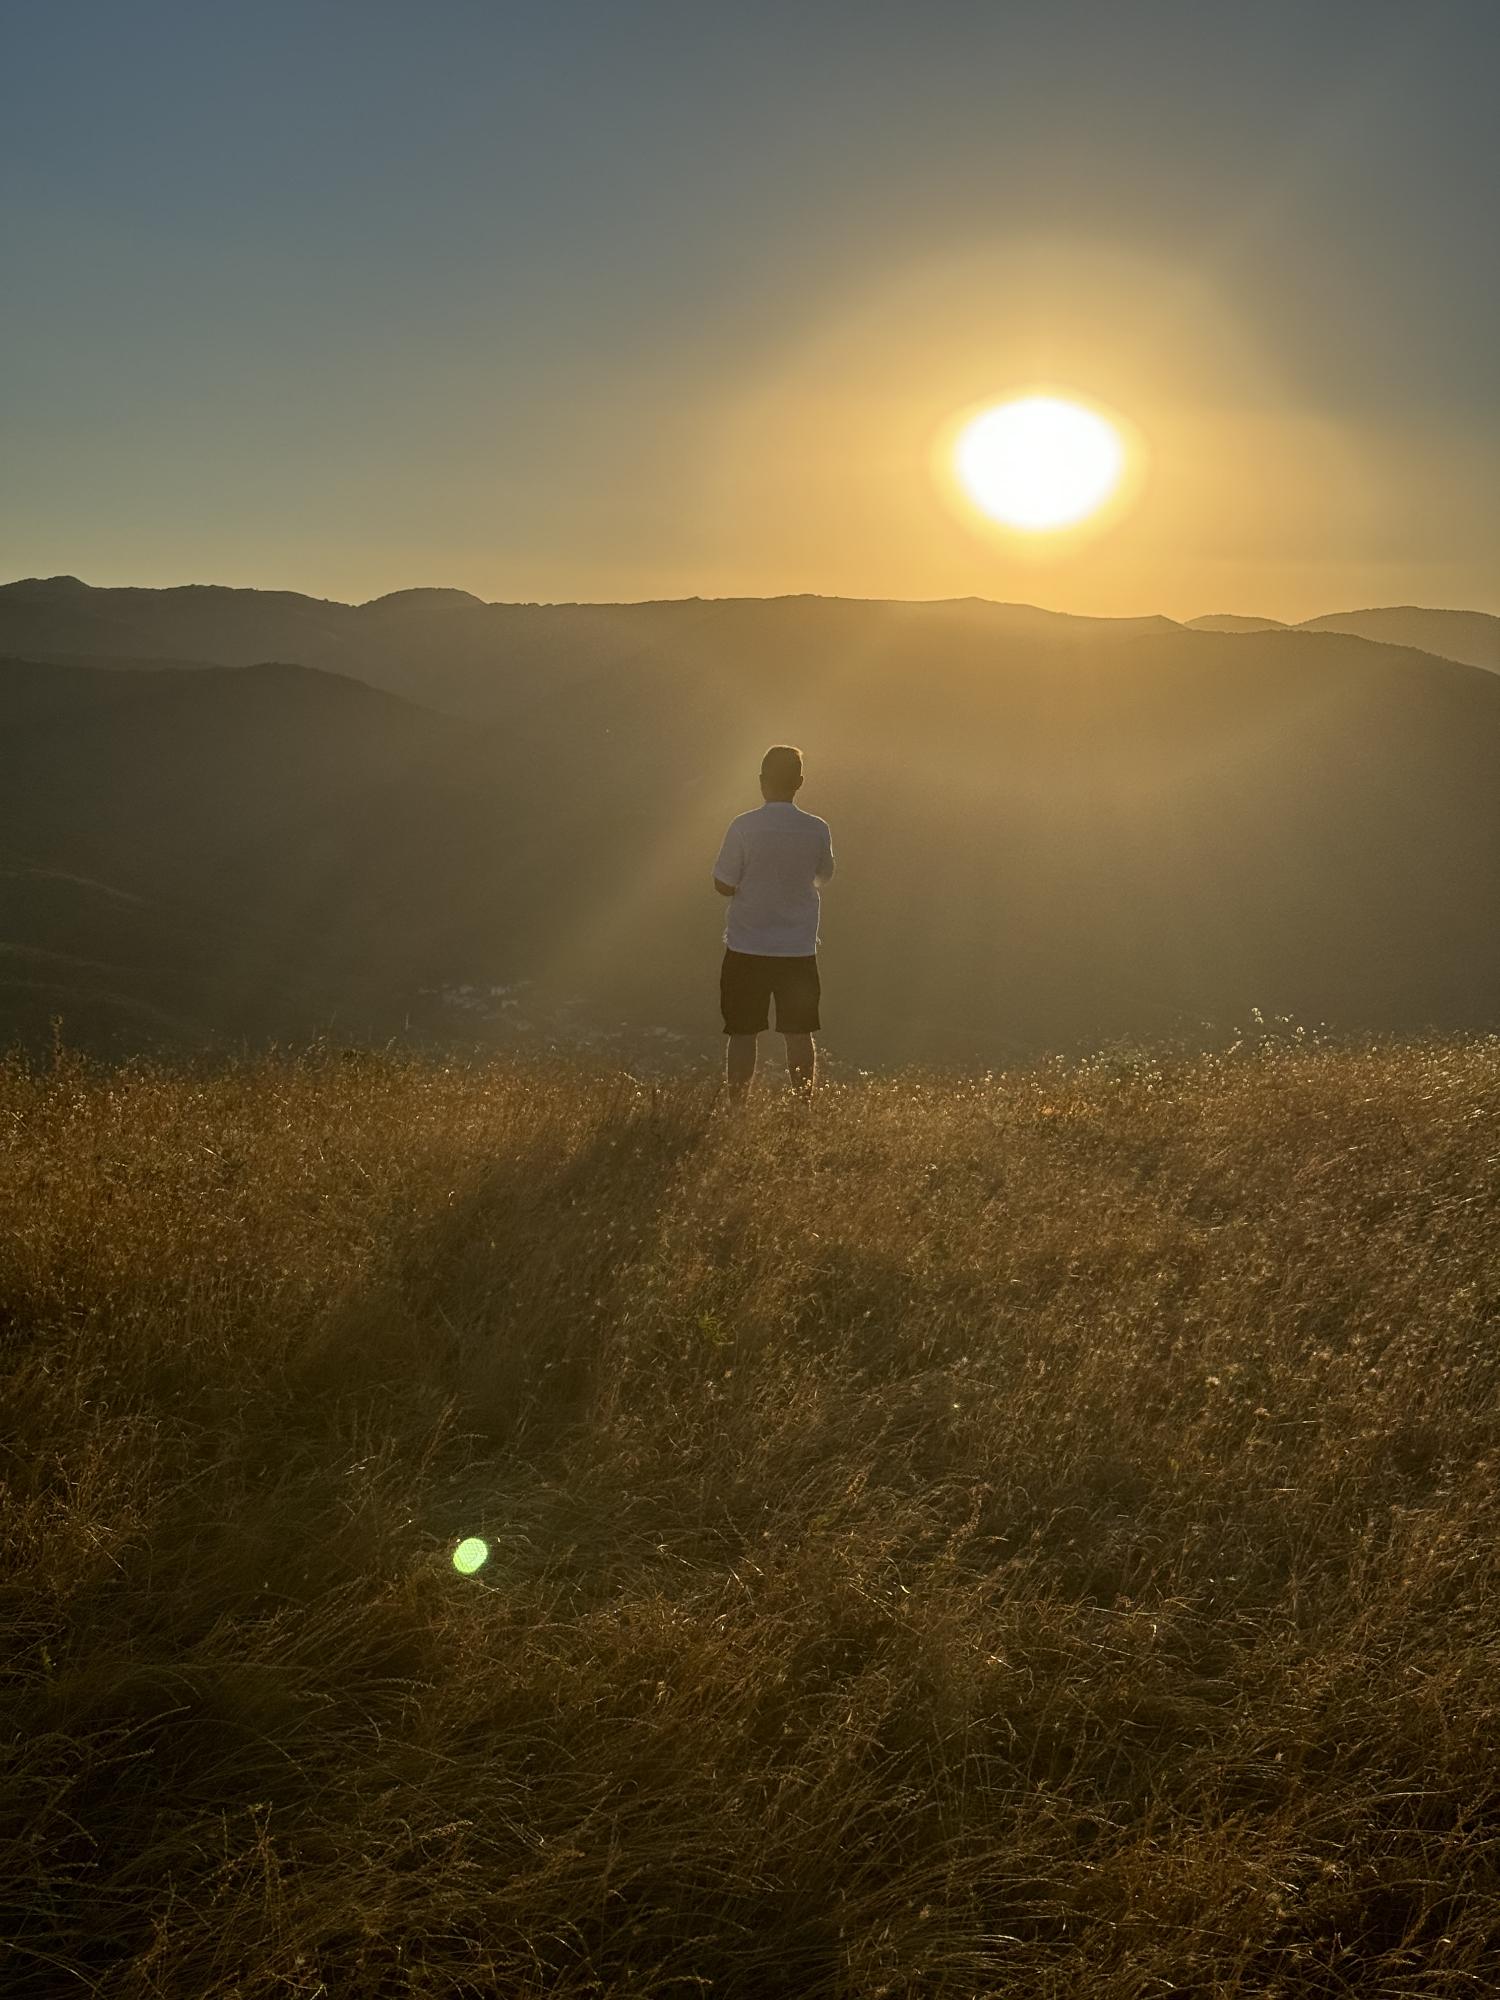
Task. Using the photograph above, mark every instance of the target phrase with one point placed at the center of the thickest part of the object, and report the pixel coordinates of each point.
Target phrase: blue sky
(632, 300)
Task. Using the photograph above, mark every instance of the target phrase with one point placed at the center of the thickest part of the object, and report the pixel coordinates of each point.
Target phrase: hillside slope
(1040, 845)
(450, 651)
(1229, 621)
(1036, 1535)
(1472, 637)
(267, 851)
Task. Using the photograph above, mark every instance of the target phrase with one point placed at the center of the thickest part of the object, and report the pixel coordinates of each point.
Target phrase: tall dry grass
(1031, 1536)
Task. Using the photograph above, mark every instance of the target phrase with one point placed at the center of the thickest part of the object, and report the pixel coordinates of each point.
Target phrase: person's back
(772, 864)
(781, 851)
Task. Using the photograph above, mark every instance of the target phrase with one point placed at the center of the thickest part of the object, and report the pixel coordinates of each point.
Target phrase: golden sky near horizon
(1245, 494)
(591, 303)
(829, 469)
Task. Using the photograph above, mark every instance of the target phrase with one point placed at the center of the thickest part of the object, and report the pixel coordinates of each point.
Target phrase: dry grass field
(1033, 1535)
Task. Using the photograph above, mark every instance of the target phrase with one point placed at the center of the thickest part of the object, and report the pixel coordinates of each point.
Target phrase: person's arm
(824, 873)
(730, 866)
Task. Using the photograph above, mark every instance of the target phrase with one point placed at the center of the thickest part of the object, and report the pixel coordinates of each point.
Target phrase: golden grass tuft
(1028, 1536)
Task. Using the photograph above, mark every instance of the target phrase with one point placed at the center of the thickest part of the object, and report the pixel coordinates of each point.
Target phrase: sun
(1039, 463)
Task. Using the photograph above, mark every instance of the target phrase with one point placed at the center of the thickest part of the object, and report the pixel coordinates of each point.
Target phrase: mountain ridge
(66, 581)
(1472, 638)
(1115, 836)
(452, 652)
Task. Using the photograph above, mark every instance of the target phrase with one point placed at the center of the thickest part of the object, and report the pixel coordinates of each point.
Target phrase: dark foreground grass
(1034, 1536)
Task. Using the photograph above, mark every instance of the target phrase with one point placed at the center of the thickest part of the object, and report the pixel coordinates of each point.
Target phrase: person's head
(781, 772)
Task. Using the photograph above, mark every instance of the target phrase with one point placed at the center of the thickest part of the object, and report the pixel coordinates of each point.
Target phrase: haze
(583, 302)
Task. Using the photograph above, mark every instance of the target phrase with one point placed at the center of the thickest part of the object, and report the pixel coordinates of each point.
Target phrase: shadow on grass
(505, 1300)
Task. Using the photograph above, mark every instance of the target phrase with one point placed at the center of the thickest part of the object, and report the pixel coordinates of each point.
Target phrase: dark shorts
(747, 983)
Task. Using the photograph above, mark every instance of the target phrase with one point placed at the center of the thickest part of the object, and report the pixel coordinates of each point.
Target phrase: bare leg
(739, 1063)
(802, 1063)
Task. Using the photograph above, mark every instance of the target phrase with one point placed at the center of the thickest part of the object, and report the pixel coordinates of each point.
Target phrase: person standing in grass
(772, 864)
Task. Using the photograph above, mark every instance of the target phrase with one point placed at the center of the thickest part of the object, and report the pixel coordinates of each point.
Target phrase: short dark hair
(781, 767)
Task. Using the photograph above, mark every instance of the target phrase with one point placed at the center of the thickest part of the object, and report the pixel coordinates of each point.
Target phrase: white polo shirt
(775, 859)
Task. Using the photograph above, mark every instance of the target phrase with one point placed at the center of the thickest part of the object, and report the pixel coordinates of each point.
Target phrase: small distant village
(521, 1014)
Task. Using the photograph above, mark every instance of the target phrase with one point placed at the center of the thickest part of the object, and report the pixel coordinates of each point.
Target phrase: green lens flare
(471, 1555)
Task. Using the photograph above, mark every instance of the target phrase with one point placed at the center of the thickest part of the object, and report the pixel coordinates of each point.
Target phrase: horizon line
(776, 597)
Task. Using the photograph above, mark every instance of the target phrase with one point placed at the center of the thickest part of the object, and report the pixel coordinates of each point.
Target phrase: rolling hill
(1470, 637)
(1012, 1536)
(449, 650)
(1051, 830)
(1229, 621)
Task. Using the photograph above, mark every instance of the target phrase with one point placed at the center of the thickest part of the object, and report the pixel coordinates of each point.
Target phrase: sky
(662, 298)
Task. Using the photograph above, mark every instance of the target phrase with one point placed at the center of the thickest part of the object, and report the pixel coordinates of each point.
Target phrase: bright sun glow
(1039, 463)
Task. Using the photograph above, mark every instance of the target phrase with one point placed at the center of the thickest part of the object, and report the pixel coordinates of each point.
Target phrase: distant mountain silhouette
(161, 833)
(1051, 829)
(448, 650)
(1472, 637)
(1227, 621)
